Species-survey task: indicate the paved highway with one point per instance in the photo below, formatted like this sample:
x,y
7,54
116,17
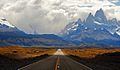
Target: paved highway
x,y
56,62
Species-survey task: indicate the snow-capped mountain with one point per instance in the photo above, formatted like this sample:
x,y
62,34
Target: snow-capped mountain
x,y
6,27
11,35
95,28
4,22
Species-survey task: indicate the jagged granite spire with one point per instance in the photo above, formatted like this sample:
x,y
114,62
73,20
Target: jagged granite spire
x,y
90,18
96,29
100,16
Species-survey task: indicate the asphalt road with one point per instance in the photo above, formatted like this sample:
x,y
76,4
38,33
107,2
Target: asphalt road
x,y
56,62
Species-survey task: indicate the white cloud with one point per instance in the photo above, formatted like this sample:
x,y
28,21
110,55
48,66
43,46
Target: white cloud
x,y
50,16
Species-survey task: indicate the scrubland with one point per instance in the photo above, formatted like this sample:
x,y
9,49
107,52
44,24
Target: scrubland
x,y
89,52
96,58
23,52
14,57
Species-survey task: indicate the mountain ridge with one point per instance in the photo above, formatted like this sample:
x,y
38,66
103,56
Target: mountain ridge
x,y
11,35
95,29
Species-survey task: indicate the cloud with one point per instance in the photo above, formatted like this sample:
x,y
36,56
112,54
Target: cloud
x,y
51,16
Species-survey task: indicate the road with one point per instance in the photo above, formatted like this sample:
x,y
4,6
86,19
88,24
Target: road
x,y
56,62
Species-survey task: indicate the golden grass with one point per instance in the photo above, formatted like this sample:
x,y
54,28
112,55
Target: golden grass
x,y
89,52
21,53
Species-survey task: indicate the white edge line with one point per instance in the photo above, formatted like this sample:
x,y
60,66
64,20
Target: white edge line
x,y
52,56
80,63
33,63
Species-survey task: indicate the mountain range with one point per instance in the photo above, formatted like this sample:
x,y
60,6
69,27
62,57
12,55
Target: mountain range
x,y
95,30
11,35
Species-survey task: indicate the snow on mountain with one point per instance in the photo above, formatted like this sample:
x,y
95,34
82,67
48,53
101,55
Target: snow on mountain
x,y
8,29
3,21
95,27
11,35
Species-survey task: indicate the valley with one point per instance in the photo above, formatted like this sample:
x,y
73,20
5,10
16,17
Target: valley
x,y
17,57
91,42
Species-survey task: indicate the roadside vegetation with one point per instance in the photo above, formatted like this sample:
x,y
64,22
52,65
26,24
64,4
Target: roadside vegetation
x,y
14,57
96,58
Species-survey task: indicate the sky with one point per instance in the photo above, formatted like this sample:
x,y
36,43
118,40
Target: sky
x,y
51,16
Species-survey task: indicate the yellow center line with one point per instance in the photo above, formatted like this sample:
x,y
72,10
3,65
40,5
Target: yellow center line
x,y
57,63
